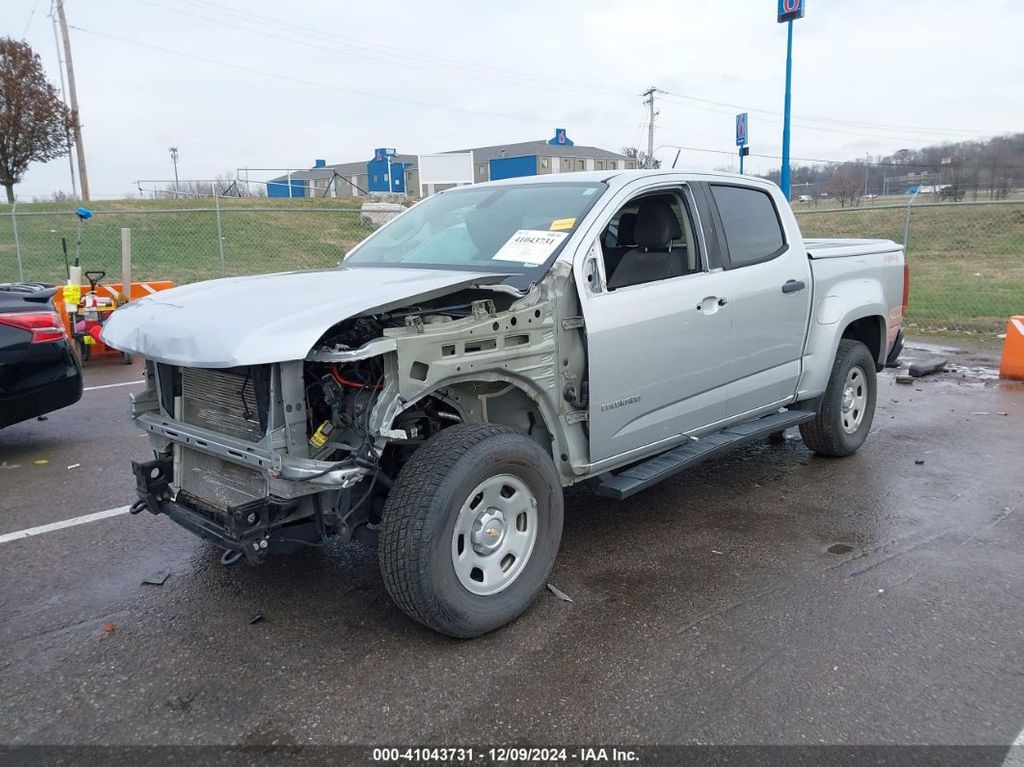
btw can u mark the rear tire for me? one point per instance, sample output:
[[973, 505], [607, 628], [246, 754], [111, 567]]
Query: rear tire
[[848, 406], [470, 529]]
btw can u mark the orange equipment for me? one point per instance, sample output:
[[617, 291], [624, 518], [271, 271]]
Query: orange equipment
[[1012, 363], [93, 305]]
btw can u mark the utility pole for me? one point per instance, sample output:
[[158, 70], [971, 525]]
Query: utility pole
[[649, 93], [64, 97], [174, 159], [76, 125]]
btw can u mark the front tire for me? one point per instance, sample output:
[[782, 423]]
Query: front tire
[[848, 406], [470, 529]]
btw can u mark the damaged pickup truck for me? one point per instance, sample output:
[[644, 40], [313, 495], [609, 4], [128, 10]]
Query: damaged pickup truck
[[492, 345]]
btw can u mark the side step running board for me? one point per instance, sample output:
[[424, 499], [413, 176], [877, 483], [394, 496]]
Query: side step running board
[[654, 470]]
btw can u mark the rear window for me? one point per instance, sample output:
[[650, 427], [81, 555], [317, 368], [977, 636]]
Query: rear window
[[753, 232]]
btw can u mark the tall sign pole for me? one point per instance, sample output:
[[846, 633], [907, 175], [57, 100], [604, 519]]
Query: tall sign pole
[[789, 11], [742, 123]]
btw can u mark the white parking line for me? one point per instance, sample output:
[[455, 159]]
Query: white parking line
[[111, 386], [1015, 756], [94, 517]]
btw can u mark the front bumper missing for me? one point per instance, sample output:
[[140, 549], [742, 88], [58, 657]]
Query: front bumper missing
[[246, 529], [322, 474]]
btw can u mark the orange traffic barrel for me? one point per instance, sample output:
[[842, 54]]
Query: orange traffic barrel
[[1012, 363]]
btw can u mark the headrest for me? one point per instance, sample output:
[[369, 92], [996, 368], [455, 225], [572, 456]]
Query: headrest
[[656, 224]]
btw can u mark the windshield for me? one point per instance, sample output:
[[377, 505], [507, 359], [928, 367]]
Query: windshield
[[516, 230]]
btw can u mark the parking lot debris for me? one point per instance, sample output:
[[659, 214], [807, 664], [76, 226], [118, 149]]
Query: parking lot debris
[[560, 594], [40, 462], [919, 462], [110, 628], [42, 418], [74, 466], [904, 379], [927, 366], [257, 618], [157, 579]]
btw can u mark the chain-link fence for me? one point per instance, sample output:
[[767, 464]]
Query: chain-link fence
[[184, 241], [966, 259]]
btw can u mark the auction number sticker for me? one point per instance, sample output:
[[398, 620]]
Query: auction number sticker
[[530, 246]]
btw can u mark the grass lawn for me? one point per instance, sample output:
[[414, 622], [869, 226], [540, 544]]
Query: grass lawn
[[966, 261], [178, 239]]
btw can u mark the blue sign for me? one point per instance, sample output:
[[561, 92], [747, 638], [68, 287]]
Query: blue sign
[[790, 9], [561, 138], [741, 129]]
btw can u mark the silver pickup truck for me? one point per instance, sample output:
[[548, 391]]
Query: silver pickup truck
[[435, 393]]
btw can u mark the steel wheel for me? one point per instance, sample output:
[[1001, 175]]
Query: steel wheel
[[494, 534], [854, 401]]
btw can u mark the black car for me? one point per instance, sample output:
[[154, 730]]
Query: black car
[[39, 370]]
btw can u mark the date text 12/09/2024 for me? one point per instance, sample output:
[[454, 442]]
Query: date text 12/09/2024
[[503, 754]]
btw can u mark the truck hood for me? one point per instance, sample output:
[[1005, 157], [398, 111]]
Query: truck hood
[[267, 318]]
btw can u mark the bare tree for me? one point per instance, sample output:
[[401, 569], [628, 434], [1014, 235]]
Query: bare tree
[[33, 119], [640, 157], [846, 184]]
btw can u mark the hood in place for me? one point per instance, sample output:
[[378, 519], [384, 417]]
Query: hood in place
[[268, 318]]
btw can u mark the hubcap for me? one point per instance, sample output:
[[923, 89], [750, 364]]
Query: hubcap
[[854, 400], [494, 534]]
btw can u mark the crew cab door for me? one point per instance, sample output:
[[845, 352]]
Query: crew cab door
[[658, 319], [770, 279]]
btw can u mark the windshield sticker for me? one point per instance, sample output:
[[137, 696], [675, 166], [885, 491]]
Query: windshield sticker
[[560, 224], [530, 246]]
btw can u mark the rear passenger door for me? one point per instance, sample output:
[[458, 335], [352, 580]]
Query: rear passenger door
[[771, 294]]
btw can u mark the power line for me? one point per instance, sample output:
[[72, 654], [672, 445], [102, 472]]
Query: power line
[[802, 123], [382, 54], [31, 16], [329, 86], [855, 123], [888, 165]]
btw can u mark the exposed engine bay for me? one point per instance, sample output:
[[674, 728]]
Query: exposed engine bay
[[286, 455]]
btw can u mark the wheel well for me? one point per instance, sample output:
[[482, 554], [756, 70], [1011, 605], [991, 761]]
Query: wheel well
[[495, 403], [869, 331]]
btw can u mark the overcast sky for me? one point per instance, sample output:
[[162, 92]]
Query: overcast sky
[[265, 84]]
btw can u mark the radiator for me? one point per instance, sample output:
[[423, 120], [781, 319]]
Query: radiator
[[218, 483], [223, 401]]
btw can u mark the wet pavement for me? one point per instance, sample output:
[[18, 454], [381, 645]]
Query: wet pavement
[[768, 597]]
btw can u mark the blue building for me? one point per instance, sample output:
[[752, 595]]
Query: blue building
[[389, 171]]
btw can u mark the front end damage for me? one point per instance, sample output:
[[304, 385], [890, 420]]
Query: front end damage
[[271, 457]]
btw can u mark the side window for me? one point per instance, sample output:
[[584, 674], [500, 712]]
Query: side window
[[650, 238], [753, 232]]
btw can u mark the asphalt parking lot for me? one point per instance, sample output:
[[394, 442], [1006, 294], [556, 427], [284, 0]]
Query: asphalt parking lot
[[770, 597]]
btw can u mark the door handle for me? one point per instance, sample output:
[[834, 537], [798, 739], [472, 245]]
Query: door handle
[[711, 304], [793, 286]]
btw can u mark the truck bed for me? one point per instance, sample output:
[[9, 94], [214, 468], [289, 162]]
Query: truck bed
[[839, 248]]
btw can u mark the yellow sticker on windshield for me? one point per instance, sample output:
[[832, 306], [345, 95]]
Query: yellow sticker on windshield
[[560, 224]]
